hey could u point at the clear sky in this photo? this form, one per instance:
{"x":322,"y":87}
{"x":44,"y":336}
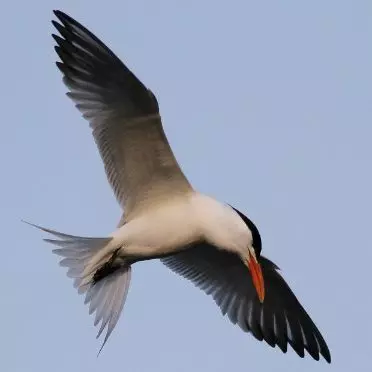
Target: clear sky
{"x":267,"y":105}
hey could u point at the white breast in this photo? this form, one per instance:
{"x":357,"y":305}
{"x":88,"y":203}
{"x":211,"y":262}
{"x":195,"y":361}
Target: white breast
{"x":170,"y":226}
{"x":163,"y":229}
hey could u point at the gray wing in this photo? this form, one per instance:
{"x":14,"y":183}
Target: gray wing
{"x":124,"y":117}
{"x":279,"y":320}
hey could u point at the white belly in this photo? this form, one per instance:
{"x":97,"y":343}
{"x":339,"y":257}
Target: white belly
{"x":162,"y":230}
{"x":166,"y":228}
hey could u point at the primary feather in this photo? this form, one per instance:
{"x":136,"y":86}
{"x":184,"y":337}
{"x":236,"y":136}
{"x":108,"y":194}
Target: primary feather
{"x":279,"y":320}
{"x":124,"y":116}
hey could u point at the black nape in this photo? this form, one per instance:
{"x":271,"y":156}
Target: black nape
{"x":257,"y":243}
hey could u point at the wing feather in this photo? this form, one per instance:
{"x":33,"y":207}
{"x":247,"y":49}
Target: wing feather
{"x":280,"y":320}
{"x":124,"y":117}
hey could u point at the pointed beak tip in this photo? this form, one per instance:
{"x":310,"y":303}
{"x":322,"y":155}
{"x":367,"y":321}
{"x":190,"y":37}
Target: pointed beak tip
{"x":261,"y":297}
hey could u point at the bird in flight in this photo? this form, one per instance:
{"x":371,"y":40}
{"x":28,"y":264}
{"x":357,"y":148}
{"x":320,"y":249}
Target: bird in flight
{"x":207,"y":242}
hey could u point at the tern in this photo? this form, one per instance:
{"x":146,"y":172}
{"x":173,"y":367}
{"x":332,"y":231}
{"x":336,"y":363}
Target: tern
{"x":209,"y":243}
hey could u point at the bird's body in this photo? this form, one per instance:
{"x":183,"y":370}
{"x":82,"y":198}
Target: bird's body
{"x":195,"y":218}
{"x":208,"y":242}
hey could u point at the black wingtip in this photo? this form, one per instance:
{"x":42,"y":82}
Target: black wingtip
{"x":327,"y":356}
{"x":56,"y":38}
{"x":56,"y":24}
{"x":63,"y":17}
{"x":59,"y":14}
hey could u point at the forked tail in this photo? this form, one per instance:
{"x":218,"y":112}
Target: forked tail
{"x":105,"y":293}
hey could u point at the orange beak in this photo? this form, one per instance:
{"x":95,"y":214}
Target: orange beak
{"x":257,"y":277}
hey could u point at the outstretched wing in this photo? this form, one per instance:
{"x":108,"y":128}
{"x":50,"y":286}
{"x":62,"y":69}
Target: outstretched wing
{"x":123,"y":115}
{"x":279,"y":320}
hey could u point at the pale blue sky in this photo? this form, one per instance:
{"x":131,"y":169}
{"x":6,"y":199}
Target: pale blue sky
{"x":267,"y":105}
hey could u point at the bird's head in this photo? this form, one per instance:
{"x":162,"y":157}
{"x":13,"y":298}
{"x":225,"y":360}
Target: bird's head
{"x":252,"y":257}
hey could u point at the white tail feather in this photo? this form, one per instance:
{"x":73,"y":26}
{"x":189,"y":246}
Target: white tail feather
{"x":106,"y":297}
